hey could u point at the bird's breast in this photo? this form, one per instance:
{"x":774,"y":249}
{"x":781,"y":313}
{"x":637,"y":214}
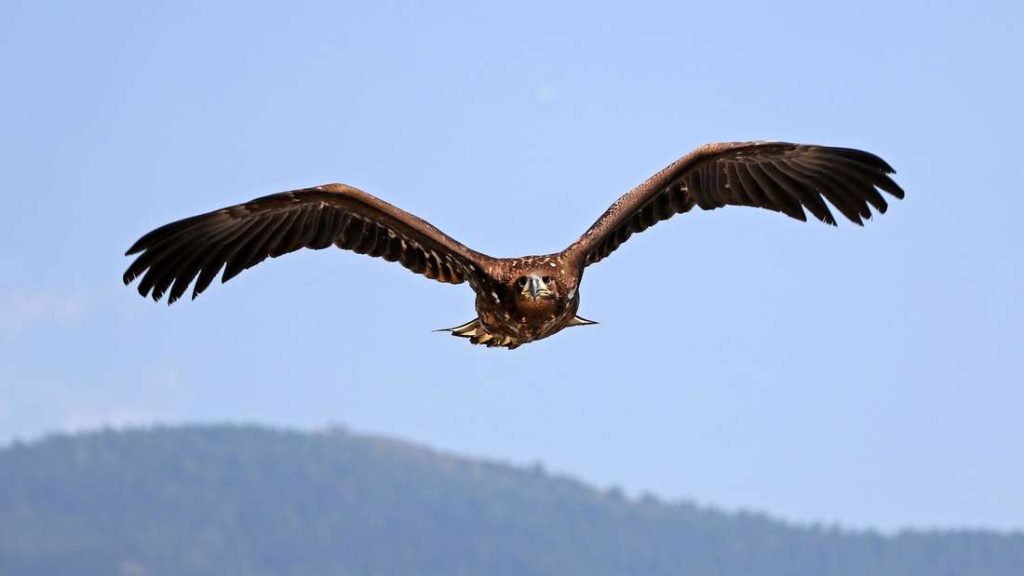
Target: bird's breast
{"x":522,"y":323}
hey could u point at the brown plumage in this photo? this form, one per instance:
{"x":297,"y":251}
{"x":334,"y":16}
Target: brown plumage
{"x":518,"y":300}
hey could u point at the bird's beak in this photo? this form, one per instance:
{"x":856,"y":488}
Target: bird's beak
{"x":535,"y":287}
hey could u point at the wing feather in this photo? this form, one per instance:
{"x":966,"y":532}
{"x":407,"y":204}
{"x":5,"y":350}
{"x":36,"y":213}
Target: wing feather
{"x":792,"y":188}
{"x":780,"y":176}
{"x":233,"y":239}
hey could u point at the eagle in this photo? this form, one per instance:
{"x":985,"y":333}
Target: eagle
{"x":518,"y":300}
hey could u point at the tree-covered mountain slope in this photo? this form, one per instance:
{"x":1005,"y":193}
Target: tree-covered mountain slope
{"x":254,"y":501}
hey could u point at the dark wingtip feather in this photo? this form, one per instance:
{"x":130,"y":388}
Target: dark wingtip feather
{"x":865,"y":157}
{"x":143,"y":242}
{"x":883,"y":169}
{"x":151,"y":237}
{"x":890,"y":185}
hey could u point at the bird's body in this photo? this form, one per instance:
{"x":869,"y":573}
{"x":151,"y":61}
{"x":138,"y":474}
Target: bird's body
{"x":518,"y":300}
{"x":525,"y":299}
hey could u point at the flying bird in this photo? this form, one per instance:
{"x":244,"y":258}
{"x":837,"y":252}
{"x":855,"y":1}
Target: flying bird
{"x":518,"y":300}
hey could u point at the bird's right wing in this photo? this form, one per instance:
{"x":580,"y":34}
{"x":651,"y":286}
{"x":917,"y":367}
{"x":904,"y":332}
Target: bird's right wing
{"x":779,"y":176}
{"x":239,"y":237}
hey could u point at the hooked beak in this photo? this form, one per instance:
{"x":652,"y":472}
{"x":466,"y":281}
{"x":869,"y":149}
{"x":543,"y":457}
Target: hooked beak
{"x":535,"y":287}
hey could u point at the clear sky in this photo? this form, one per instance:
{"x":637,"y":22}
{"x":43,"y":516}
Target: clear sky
{"x":868,"y":376}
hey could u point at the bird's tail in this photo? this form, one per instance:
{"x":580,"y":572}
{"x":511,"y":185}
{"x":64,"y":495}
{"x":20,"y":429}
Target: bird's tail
{"x":471,"y":328}
{"x":478,"y":334}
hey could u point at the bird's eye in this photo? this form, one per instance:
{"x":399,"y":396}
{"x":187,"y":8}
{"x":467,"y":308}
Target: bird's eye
{"x":522,"y":282}
{"x":546,"y":279}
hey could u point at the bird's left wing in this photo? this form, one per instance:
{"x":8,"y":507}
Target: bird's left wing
{"x":239,"y":237}
{"x":778,"y":176}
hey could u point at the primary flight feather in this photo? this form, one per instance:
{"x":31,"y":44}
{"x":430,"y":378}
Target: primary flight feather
{"x":518,"y":300}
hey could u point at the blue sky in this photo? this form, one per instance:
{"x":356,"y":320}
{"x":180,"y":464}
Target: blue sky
{"x":867,"y":376}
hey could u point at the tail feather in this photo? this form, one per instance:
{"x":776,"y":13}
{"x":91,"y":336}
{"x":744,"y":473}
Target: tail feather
{"x":478,"y":334}
{"x":469,"y":329}
{"x":580,"y":321}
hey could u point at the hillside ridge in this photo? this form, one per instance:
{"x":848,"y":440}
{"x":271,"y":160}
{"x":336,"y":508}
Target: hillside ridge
{"x":247,"y":499}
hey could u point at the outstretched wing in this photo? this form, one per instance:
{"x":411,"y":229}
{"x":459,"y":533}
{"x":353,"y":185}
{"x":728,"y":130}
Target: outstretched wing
{"x":779,"y":176}
{"x":239,"y":237}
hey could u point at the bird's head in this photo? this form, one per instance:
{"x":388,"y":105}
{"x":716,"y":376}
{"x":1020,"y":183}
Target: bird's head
{"x":536,"y":294}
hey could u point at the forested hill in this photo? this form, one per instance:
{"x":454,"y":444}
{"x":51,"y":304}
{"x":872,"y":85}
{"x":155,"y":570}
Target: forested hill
{"x":240,"y":500}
